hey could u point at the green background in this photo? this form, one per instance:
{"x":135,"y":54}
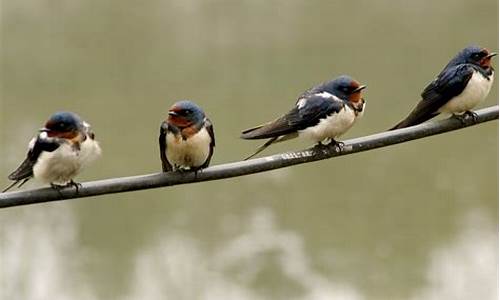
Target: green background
{"x":413,"y":221}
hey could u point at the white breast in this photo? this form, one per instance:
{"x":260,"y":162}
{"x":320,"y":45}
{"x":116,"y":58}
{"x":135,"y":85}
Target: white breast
{"x":331,"y":127}
{"x":192,"y":152}
{"x":63,"y":164}
{"x":474,"y":93}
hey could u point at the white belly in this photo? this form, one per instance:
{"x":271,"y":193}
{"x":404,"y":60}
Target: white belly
{"x":331,"y":127}
{"x":64,"y":163}
{"x":474,"y":93}
{"x":192,"y":152}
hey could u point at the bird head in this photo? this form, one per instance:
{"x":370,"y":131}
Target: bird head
{"x":65,"y":125}
{"x":347,"y":89}
{"x":184,"y":114}
{"x":474,"y":55}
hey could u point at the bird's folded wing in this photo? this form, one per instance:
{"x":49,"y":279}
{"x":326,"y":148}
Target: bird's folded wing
{"x":40,"y":145}
{"x":308,"y":112}
{"x":449,"y":83}
{"x":166,"y":166}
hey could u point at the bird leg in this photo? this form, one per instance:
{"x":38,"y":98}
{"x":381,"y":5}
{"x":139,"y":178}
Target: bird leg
{"x":467,"y":115}
{"x":471,"y":114}
{"x":339,"y":146}
{"x":197,"y":171}
{"x":320,"y":147}
{"x":181,"y":169}
{"x":75,"y":184}
{"x":58,"y":188}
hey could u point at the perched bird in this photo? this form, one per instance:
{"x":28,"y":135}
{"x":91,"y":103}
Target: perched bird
{"x":57,"y":154}
{"x":187,"y":138}
{"x":462,"y":84}
{"x":325,"y":111}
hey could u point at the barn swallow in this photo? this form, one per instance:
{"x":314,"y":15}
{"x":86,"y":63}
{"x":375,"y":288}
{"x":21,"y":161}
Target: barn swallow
{"x":323,"y":112}
{"x":58,"y":153}
{"x":187,"y":138}
{"x":462,"y":84}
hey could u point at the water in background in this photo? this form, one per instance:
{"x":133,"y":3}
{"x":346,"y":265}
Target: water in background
{"x":413,"y":221}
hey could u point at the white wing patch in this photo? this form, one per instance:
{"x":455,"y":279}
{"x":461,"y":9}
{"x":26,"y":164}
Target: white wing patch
{"x":303,"y":101}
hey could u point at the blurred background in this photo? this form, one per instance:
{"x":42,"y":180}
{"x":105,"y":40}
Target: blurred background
{"x":413,"y":221}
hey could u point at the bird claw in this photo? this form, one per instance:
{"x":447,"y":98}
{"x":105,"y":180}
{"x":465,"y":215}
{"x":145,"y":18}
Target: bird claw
{"x":466,"y":117}
{"x":71,"y":183}
{"x":197,"y":171}
{"x":338,"y":146}
{"x":57,"y":188}
{"x":472,"y":115}
{"x":186,"y":170}
{"x":319,"y":146}
{"x":75,"y":184}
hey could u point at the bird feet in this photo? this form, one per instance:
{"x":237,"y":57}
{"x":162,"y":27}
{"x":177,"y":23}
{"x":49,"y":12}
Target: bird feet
{"x":472,"y":115}
{"x":71,"y":183}
{"x":466,"y":117}
{"x":186,"y":170}
{"x":77,"y":185}
{"x":338,"y":146}
{"x":320,"y":148}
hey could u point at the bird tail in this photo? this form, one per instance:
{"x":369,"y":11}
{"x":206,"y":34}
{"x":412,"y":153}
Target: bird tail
{"x":261,"y":148}
{"x":412,"y":121}
{"x":16,"y":182}
{"x":257,"y":132}
{"x":273,"y":140}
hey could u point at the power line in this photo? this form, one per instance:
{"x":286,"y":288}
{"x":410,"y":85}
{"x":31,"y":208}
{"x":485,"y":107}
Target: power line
{"x":240,"y":168}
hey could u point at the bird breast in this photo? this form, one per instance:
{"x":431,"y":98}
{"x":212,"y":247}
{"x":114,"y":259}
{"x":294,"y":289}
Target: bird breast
{"x":189,"y":152}
{"x":332,"y":126}
{"x":63,"y":164}
{"x":474,"y":93}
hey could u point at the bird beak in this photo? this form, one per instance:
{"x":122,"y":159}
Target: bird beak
{"x":44,"y":129}
{"x":491,"y":54}
{"x":173,"y":113}
{"x":360,"y":88}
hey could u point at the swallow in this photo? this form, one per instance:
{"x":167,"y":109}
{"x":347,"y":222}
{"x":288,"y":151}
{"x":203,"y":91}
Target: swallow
{"x":187,"y":139}
{"x":323,"y":112}
{"x":463,"y":83}
{"x":64,"y":146}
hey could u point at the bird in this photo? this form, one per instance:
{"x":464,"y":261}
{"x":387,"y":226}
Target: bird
{"x":187,"y":138}
{"x":463,"y":83}
{"x":323,"y":112}
{"x":64,"y":146}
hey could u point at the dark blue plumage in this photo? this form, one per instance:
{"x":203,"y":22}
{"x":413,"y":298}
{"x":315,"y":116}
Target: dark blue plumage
{"x":187,"y":138}
{"x":57,"y":154}
{"x":325,"y":111}
{"x":462,"y":84}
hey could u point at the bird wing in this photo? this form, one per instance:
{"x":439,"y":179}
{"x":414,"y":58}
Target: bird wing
{"x":449,"y":83}
{"x":210,"y":129}
{"x":37,"y":146}
{"x":166,"y":166}
{"x":308,"y":112}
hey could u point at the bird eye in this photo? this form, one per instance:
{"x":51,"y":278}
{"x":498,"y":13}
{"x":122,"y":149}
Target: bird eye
{"x":345,"y":89}
{"x":475,"y":55}
{"x":188,"y":111}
